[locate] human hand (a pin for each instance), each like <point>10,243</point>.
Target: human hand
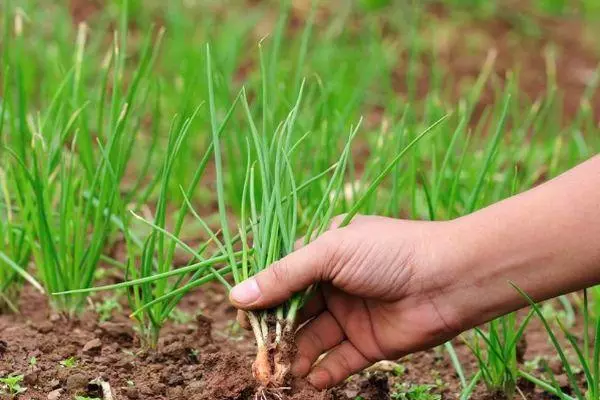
<point>379,295</point>
<point>390,287</point>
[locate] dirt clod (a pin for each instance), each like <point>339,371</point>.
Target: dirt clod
<point>44,327</point>
<point>121,332</point>
<point>77,382</point>
<point>55,394</point>
<point>207,363</point>
<point>131,392</point>
<point>377,386</point>
<point>92,347</point>
<point>204,327</point>
<point>31,377</point>
<point>556,366</point>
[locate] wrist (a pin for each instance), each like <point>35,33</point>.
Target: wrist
<point>516,241</point>
<point>541,240</point>
<point>473,266</point>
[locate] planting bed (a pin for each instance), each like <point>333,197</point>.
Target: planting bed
<point>507,110</point>
<point>205,358</point>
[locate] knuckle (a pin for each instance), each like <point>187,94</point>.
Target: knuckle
<point>299,243</point>
<point>315,342</point>
<point>343,359</point>
<point>336,221</point>
<point>326,247</point>
<point>279,271</point>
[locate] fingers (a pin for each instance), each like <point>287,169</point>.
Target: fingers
<point>341,362</point>
<point>338,219</point>
<point>298,244</point>
<point>242,319</point>
<point>315,339</point>
<point>313,307</point>
<point>280,281</point>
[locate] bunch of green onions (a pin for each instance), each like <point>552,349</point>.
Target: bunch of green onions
<point>272,218</point>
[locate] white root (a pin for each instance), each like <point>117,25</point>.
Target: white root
<point>260,336</point>
<point>105,386</point>
<point>278,332</point>
<point>271,366</point>
<point>264,326</point>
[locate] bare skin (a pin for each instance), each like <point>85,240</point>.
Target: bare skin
<point>390,287</point>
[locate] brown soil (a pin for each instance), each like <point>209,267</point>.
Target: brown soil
<point>564,49</point>
<point>211,359</point>
<point>534,47</point>
<point>82,10</point>
<point>204,359</point>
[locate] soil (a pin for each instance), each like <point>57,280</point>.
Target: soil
<point>206,358</point>
<point>563,50</point>
<point>209,358</point>
<point>537,48</point>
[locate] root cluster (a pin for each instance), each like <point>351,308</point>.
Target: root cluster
<point>275,351</point>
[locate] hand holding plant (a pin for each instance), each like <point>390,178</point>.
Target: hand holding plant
<point>391,287</point>
<point>376,300</point>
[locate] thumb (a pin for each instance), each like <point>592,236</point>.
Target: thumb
<point>282,279</point>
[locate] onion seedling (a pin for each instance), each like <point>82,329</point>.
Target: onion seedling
<point>15,247</point>
<point>588,356</point>
<point>498,358</point>
<point>154,300</point>
<point>67,185</point>
<point>156,284</point>
<point>15,251</point>
<point>272,219</point>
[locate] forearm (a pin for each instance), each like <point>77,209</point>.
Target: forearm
<point>546,241</point>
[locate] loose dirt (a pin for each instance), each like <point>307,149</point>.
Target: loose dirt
<point>540,51</point>
<point>205,358</point>
<point>208,357</point>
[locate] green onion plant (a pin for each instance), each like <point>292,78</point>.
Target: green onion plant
<point>273,218</point>
<point>15,248</point>
<point>155,283</point>
<point>67,162</point>
<point>498,357</point>
<point>154,295</point>
<point>586,348</point>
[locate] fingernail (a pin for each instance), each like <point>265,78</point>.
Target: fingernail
<point>319,378</point>
<point>246,292</point>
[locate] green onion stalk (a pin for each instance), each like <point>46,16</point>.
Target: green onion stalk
<point>272,216</point>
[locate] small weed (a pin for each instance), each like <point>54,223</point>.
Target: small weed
<point>180,316</point>
<point>193,354</point>
<point>86,398</point>
<point>399,370</point>
<point>407,391</point>
<point>11,385</point>
<point>70,362</point>
<point>106,308</point>
<point>33,361</point>
<point>586,362</point>
<point>437,377</point>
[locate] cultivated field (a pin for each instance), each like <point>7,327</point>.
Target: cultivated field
<point>153,154</point>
